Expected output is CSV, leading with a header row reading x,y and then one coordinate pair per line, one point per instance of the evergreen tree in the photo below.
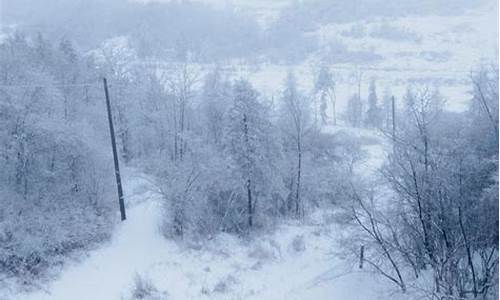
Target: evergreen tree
x,y
386,112
373,114
354,111
325,87
68,51
249,145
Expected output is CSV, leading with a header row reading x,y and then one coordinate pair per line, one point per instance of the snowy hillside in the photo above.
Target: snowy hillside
x,y
437,50
299,260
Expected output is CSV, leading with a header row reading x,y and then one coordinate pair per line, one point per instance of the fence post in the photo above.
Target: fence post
x,y
361,256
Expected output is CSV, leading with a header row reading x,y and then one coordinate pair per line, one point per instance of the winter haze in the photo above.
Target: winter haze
x,y
249,149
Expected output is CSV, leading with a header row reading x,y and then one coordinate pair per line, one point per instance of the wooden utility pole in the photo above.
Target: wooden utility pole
x,y
249,180
115,154
393,125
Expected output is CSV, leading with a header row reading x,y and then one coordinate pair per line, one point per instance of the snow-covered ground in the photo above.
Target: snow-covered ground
x,y
106,272
296,261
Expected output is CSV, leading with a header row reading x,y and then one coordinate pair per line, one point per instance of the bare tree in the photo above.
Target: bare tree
x,y
295,118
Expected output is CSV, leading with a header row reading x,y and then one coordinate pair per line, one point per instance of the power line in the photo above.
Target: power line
x,y
96,84
47,85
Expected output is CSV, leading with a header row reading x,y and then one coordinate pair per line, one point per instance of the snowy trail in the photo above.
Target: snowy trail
x,y
109,271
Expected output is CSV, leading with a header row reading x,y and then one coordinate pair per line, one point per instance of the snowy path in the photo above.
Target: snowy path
x,y
108,271
226,267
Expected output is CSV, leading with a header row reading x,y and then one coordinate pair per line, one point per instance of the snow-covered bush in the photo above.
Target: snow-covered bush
x,y
55,200
298,244
55,185
197,196
224,284
265,250
144,289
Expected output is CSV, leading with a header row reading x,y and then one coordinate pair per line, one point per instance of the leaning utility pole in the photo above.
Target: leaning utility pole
x,y
393,125
115,155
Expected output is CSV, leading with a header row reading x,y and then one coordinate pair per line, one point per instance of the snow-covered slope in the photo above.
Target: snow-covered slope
x,y
106,272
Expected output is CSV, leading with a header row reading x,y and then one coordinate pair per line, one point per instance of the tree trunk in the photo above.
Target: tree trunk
x,y
249,181
299,170
250,208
